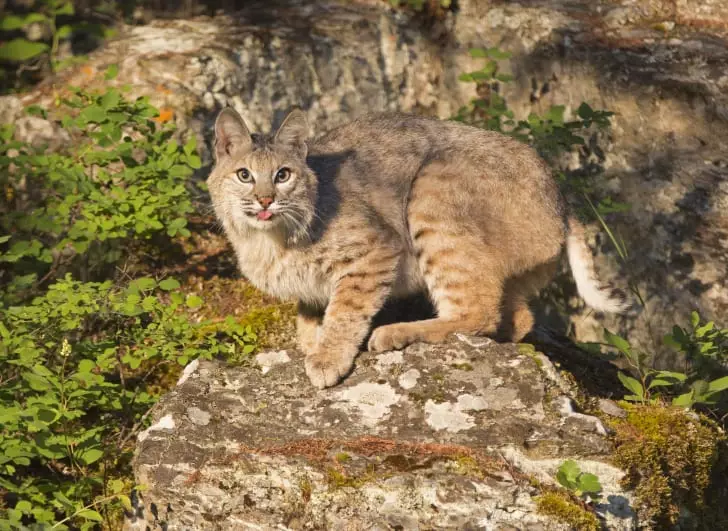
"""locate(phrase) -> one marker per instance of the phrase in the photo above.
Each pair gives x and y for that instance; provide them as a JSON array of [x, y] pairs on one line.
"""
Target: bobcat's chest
[[282, 273]]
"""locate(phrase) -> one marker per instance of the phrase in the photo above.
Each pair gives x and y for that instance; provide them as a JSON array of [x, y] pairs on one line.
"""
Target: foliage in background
[[117, 183], [704, 349], [78, 364], [86, 344], [31, 37], [551, 134]]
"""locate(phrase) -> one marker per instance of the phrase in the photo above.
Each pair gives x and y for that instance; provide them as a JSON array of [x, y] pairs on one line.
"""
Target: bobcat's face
[[262, 183]]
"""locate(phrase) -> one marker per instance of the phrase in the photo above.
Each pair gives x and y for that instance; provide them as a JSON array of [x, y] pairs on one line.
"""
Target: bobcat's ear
[[293, 132], [231, 134]]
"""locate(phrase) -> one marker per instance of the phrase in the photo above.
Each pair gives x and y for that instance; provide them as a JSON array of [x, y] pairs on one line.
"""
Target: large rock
[[444, 436], [660, 65]]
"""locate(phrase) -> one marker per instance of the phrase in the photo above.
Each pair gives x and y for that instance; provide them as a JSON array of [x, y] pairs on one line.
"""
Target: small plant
[[570, 476], [687, 389]]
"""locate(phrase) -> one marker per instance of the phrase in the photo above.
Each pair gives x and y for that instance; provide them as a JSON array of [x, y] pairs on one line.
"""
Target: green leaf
[[24, 506], [36, 382], [169, 284], [19, 50], [125, 502], [86, 366], [89, 514], [142, 284], [632, 398], [116, 485], [190, 146], [194, 301], [700, 332], [94, 114], [589, 483], [478, 52], [66, 8], [64, 31], [674, 375], [684, 400], [111, 72], [90, 456], [58, 495], [659, 383], [694, 319], [110, 100], [569, 471], [13, 22], [497, 54], [631, 384], [618, 342], [584, 111], [721, 384]]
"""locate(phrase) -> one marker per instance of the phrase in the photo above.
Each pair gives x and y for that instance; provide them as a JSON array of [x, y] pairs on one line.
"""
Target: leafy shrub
[[78, 364], [703, 346], [118, 182], [53, 22], [82, 362], [550, 134]]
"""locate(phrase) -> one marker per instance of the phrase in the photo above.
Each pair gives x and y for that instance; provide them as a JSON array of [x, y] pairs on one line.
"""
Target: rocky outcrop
[[462, 435], [659, 65]]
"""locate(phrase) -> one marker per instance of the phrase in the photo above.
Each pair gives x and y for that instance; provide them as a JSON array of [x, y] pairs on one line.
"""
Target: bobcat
[[390, 205]]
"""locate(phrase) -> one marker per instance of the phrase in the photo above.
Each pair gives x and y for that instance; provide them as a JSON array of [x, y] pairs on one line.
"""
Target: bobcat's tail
[[599, 297]]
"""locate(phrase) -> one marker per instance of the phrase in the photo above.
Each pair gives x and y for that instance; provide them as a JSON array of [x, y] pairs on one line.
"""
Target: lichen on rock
[[454, 447]]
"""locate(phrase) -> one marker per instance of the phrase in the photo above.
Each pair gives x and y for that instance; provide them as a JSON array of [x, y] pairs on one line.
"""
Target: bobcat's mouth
[[264, 215]]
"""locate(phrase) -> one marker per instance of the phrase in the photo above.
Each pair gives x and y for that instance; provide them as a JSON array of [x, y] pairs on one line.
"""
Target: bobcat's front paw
[[325, 370]]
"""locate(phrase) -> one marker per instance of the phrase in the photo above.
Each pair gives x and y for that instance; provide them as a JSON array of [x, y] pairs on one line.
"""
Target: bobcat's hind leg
[[517, 316], [463, 281]]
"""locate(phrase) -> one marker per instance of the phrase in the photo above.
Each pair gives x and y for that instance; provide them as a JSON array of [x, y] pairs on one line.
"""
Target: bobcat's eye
[[283, 175], [244, 176]]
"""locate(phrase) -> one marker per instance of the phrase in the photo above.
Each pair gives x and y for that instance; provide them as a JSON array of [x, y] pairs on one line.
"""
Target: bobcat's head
[[262, 182]]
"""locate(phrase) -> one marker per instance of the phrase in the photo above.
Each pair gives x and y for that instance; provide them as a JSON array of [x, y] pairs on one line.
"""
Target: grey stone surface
[[435, 436]]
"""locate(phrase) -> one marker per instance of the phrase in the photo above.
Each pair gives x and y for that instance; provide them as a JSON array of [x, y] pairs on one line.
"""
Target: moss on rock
[[673, 460], [563, 509]]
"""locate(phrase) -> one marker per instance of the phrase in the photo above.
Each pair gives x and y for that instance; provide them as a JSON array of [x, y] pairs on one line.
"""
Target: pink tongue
[[265, 214]]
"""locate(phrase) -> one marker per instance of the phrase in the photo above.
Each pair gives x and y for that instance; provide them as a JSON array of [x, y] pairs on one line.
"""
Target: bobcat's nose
[[265, 202]]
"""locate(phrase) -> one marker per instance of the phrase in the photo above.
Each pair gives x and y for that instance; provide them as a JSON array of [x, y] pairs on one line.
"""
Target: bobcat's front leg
[[308, 327], [359, 294]]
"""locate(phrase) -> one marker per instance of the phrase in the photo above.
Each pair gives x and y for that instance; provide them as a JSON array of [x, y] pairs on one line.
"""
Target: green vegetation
[[570, 476], [703, 348], [673, 461], [563, 509], [32, 36], [88, 338], [92, 331]]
